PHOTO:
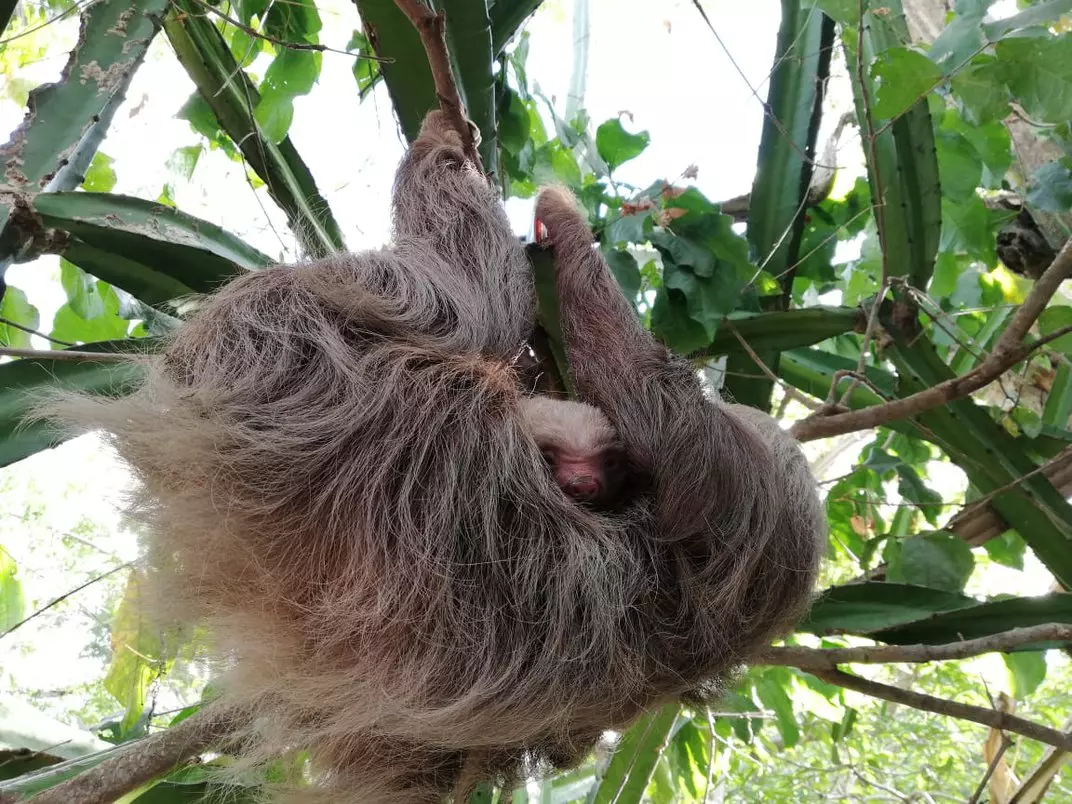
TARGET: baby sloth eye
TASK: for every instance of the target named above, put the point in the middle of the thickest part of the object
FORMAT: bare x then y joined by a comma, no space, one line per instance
548,456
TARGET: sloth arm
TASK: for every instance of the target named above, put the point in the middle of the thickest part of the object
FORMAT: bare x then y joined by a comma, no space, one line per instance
711,470
452,233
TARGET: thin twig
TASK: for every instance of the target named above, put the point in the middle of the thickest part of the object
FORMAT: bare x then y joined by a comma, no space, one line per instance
31,331
993,766
63,597
942,706
283,43
65,354
430,26
770,375
1007,352
141,761
830,658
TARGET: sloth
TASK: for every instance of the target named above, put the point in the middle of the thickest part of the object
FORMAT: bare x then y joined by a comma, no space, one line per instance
339,476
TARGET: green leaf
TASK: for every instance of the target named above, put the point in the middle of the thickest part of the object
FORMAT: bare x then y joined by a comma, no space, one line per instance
616,145
870,607
1039,73
100,178
184,161
961,37
70,327
366,71
844,11
1053,319
1059,401
177,249
1051,188
23,380
903,76
635,757
291,73
12,602
771,690
626,271
938,561
982,91
136,647
621,229
16,307
913,489
982,619
83,295
959,165
1026,670
672,323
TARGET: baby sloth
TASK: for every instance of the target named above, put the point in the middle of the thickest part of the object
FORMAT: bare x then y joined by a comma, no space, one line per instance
580,447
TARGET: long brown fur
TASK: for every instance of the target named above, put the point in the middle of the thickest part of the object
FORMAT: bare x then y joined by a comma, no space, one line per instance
335,476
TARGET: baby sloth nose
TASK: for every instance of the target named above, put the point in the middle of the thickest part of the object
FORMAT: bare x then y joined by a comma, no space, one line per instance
583,487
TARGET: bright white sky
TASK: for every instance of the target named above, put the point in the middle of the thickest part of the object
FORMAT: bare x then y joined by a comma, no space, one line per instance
656,60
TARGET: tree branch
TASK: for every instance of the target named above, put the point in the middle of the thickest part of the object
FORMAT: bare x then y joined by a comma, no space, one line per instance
1008,351
143,761
66,354
829,658
941,706
430,27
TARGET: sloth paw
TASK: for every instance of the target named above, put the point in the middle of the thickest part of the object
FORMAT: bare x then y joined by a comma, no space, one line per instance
554,206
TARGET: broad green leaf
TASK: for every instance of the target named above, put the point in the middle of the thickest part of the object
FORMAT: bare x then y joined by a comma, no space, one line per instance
1053,319
136,654
70,327
616,145
981,89
959,164
83,296
844,11
291,73
903,76
1039,73
17,308
626,271
556,164
938,561
366,71
100,178
294,21
672,323
12,602
1051,188
184,161
1027,671
635,228
771,690
961,37
912,488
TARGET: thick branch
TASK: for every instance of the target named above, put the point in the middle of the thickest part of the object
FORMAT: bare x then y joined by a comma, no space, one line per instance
829,658
941,706
143,761
1008,351
430,26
